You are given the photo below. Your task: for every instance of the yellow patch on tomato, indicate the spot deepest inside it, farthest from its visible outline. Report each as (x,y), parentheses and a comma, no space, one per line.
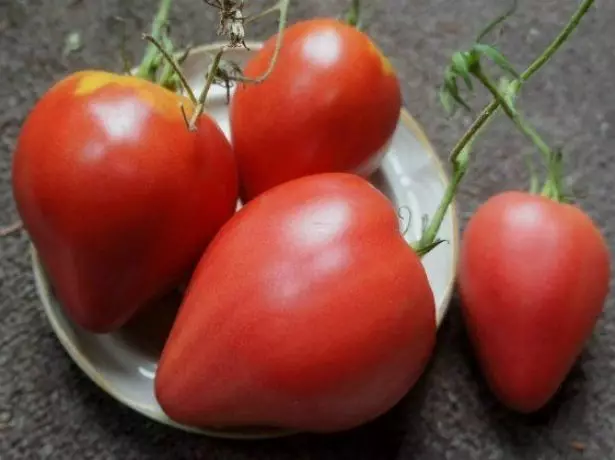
(387,67)
(161,100)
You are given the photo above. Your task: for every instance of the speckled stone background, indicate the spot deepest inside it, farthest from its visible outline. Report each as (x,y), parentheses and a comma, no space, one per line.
(49,410)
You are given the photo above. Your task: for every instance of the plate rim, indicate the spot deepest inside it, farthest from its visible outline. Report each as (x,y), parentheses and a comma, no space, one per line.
(153,413)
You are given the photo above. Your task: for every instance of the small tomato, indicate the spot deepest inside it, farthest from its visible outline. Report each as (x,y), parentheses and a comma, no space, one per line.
(534,276)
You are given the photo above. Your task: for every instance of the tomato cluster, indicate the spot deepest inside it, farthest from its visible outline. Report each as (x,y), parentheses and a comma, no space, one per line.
(306,309)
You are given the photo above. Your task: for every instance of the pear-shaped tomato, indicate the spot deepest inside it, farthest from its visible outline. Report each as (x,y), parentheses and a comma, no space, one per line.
(119,197)
(331,104)
(534,275)
(308,311)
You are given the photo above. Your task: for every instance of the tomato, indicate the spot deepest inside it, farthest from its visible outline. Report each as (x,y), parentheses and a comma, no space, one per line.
(308,311)
(331,104)
(534,275)
(119,198)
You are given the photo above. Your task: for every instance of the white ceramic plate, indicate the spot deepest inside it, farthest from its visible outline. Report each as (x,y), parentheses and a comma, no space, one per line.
(123,364)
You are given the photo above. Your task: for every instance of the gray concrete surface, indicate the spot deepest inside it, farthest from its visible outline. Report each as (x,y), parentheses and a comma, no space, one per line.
(49,410)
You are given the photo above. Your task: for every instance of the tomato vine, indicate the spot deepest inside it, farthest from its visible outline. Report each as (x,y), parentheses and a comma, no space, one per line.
(232,23)
(466,65)
(232,11)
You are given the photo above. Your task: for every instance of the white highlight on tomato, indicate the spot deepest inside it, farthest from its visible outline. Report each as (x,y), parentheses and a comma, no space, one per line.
(122,119)
(320,223)
(316,226)
(323,48)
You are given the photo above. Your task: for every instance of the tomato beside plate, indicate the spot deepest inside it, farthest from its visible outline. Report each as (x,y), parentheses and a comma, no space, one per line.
(533,276)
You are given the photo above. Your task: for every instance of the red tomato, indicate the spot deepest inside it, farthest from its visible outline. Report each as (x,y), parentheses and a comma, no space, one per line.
(308,311)
(119,198)
(331,104)
(534,275)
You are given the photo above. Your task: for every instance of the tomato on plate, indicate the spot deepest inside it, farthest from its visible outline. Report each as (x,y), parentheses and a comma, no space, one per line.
(118,197)
(331,104)
(308,311)
(534,275)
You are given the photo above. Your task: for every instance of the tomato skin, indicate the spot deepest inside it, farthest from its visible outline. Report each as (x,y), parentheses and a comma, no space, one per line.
(534,276)
(119,198)
(308,311)
(331,104)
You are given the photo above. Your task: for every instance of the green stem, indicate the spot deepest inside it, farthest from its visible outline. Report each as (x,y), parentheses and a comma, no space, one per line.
(460,167)
(170,60)
(353,17)
(429,237)
(559,40)
(462,148)
(473,130)
(526,128)
(200,107)
(551,188)
(173,78)
(167,69)
(146,69)
(282,6)
(534,67)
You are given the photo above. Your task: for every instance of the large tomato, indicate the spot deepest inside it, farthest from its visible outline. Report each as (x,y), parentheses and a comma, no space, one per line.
(119,198)
(308,311)
(331,104)
(534,275)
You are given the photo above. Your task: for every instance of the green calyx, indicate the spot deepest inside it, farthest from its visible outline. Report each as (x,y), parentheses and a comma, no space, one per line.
(554,187)
(151,60)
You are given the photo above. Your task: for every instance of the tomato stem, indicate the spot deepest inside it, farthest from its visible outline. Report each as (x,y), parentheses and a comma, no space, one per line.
(172,76)
(459,155)
(551,188)
(554,185)
(534,67)
(173,64)
(200,106)
(282,7)
(430,233)
(559,40)
(147,69)
(512,113)
(353,16)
